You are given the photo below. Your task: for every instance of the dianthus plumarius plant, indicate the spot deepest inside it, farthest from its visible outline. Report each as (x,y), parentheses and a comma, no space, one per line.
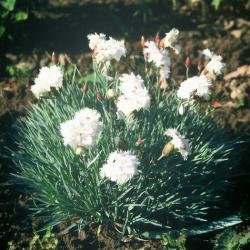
(122,151)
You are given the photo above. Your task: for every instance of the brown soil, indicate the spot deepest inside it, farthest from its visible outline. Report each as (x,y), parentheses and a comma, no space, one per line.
(63,29)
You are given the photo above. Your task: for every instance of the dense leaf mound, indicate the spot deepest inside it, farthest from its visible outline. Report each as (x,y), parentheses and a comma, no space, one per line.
(166,193)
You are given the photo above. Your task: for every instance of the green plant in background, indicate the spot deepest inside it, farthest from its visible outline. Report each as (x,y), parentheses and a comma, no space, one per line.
(9,14)
(11,245)
(121,152)
(174,241)
(15,71)
(216,4)
(42,242)
(47,241)
(144,9)
(231,240)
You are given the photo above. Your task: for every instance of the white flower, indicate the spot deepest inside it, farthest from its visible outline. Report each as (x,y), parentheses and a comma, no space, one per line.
(95,39)
(70,132)
(121,166)
(130,83)
(134,102)
(215,65)
(207,53)
(106,50)
(179,142)
(155,55)
(134,95)
(160,58)
(197,85)
(83,130)
(170,40)
(48,77)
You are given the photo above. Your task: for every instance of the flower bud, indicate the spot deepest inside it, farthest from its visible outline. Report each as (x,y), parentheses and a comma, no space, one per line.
(54,58)
(139,142)
(187,62)
(168,148)
(216,104)
(68,59)
(181,109)
(142,43)
(98,96)
(61,59)
(94,53)
(162,43)
(157,38)
(79,150)
(110,94)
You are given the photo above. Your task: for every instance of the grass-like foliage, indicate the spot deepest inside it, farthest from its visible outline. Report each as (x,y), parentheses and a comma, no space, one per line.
(166,193)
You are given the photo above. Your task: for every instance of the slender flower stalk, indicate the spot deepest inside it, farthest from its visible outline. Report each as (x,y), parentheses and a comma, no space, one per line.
(49,77)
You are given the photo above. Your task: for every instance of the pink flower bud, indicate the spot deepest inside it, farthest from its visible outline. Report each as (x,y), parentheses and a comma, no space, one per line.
(216,104)
(142,43)
(139,142)
(98,96)
(187,62)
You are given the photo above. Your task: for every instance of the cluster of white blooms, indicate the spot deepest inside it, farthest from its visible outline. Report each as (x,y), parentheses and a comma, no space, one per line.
(48,77)
(83,129)
(134,95)
(105,49)
(121,166)
(160,57)
(170,40)
(215,65)
(179,142)
(197,85)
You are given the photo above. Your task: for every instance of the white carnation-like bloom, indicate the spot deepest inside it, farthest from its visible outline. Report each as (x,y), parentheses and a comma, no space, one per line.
(134,102)
(121,166)
(197,85)
(48,77)
(70,132)
(130,83)
(179,142)
(134,95)
(159,57)
(170,40)
(215,65)
(95,39)
(106,50)
(83,129)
